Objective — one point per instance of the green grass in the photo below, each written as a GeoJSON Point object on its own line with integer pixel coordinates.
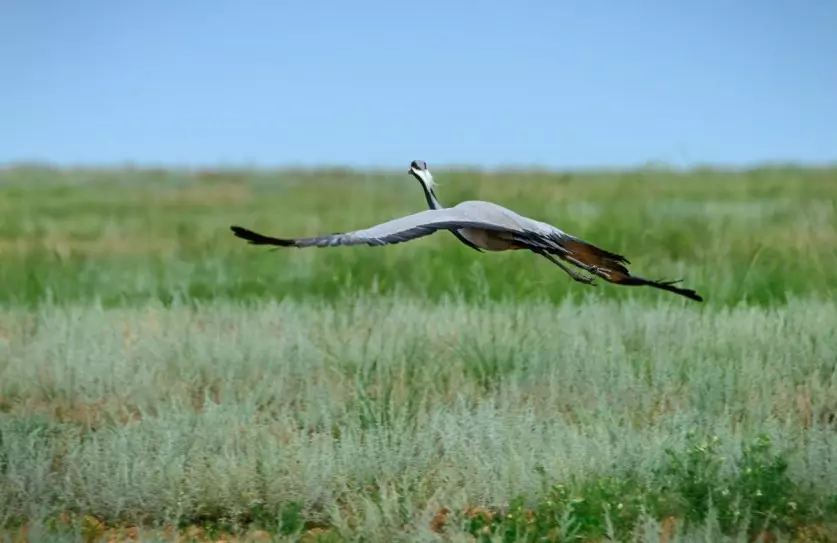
{"type": "Point", "coordinates": [156, 372]}
{"type": "Point", "coordinates": [125, 237]}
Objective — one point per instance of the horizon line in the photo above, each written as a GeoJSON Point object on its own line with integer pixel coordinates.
{"type": "Point", "coordinates": [253, 166]}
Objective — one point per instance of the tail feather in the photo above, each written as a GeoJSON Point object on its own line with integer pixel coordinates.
{"type": "Point", "coordinates": [591, 255]}
{"type": "Point", "coordinates": [613, 266]}
{"type": "Point", "coordinates": [254, 238]}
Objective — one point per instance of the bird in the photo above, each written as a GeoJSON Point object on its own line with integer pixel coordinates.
{"type": "Point", "coordinates": [483, 226]}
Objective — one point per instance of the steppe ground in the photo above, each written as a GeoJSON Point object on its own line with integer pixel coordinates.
{"type": "Point", "coordinates": [160, 379]}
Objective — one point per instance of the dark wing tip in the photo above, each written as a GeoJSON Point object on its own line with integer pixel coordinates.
{"type": "Point", "coordinates": [254, 238]}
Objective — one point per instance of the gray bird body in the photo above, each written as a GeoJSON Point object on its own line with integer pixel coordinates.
{"type": "Point", "coordinates": [484, 226]}
{"type": "Point", "coordinates": [492, 240]}
{"type": "Point", "coordinates": [489, 226]}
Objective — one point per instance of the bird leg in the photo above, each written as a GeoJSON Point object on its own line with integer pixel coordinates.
{"type": "Point", "coordinates": [595, 270]}
{"type": "Point", "coordinates": [565, 254]}
{"type": "Point", "coordinates": [576, 276]}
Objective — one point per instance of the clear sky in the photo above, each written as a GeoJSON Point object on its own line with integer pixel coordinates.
{"type": "Point", "coordinates": [379, 83]}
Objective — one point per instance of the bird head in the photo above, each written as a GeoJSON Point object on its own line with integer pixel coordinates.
{"type": "Point", "coordinates": [418, 169]}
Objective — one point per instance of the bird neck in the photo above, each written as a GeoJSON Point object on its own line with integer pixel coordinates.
{"type": "Point", "coordinates": [430, 196]}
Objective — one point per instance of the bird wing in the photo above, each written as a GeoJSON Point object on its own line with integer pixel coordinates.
{"type": "Point", "coordinates": [397, 230]}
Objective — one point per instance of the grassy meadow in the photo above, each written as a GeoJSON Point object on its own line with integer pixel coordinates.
{"type": "Point", "coordinates": [161, 379]}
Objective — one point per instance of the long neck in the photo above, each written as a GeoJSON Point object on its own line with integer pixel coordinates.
{"type": "Point", "coordinates": [433, 203]}
{"type": "Point", "coordinates": [430, 196]}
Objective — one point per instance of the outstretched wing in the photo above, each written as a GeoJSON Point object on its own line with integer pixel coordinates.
{"type": "Point", "coordinates": [398, 230]}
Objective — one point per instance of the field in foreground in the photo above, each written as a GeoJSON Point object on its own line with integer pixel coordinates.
{"type": "Point", "coordinates": [371, 416]}
{"type": "Point", "coordinates": [158, 375]}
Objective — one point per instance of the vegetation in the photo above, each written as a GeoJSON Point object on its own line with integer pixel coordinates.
{"type": "Point", "coordinates": [158, 375]}
{"type": "Point", "coordinates": [124, 237]}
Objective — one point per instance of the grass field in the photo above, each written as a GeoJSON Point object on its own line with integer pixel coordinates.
{"type": "Point", "coordinates": [160, 377]}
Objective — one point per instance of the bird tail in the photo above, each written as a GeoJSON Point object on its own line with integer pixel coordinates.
{"type": "Point", "coordinates": [613, 266]}
{"type": "Point", "coordinates": [590, 255]}
{"type": "Point", "coordinates": [254, 238]}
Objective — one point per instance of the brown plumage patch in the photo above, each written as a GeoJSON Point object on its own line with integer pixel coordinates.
{"type": "Point", "coordinates": [591, 255]}
{"type": "Point", "coordinates": [617, 276]}
{"type": "Point", "coordinates": [612, 270]}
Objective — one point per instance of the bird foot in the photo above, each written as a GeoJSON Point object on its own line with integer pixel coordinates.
{"type": "Point", "coordinates": [584, 279]}
{"type": "Point", "coordinates": [595, 270]}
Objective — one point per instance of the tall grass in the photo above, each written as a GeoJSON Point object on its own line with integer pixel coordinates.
{"type": "Point", "coordinates": [157, 373]}
{"type": "Point", "coordinates": [372, 414]}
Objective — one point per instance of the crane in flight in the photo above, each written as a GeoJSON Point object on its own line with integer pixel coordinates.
{"type": "Point", "coordinates": [483, 226]}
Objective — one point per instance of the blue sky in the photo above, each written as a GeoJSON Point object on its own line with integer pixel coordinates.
{"type": "Point", "coordinates": [377, 83]}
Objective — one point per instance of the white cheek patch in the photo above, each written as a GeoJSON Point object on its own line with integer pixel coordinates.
{"type": "Point", "coordinates": [428, 179]}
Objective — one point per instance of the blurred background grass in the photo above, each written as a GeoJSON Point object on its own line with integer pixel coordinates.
{"type": "Point", "coordinates": [124, 236]}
